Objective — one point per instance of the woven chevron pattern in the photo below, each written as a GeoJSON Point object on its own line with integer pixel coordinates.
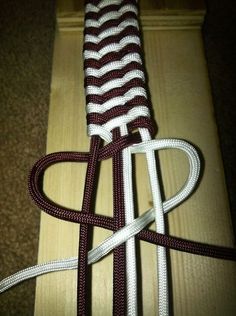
{"type": "Point", "coordinates": [116, 103]}
{"type": "Point", "coordinates": [114, 76]}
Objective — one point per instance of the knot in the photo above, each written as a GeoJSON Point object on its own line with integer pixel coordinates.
{"type": "Point", "coordinates": [135, 228]}
{"type": "Point", "coordinates": [105, 130]}
{"type": "Point", "coordinates": [140, 223]}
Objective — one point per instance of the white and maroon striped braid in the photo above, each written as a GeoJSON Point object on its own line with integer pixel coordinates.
{"type": "Point", "coordinates": [116, 99]}
{"type": "Point", "coordinates": [114, 75]}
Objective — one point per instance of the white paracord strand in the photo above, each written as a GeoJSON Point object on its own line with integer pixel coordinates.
{"type": "Point", "coordinates": [129, 230]}
{"type": "Point", "coordinates": [72, 263]}
{"type": "Point", "coordinates": [94, 255]}
{"type": "Point", "coordinates": [131, 267]}
{"type": "Point", "coordinates": [37, 270]}
{"type": "Point", "coordinates": [163, 295]}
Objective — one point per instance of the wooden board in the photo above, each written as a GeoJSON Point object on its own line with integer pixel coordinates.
{"type": "Point", "coordinates": [154, 15]}
{"type": "Point", "coordinates": [150, 19]}
{"type": "Point", "coordinates": [181, 98]}
{"type": "Point", "coordinates": [78, 5]}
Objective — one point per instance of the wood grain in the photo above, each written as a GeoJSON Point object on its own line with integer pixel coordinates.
{"type": "Point", "coordinates": [150, 20]}
{"type": "Point", "coordinates": [154, 15]}
{"type": "Point", "coordinates": [181, 98]}
{"type": "Point", "coordinates": [78, 5]}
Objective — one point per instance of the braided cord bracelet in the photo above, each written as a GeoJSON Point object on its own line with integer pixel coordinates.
{"type": "Point", "coordinates": [119, 42]}
{"type": "Point", "coordinates": [118, 112]}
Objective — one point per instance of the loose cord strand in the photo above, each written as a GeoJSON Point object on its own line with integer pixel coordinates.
{"type": "Point", "coordinates": [134, 228]}
{"type": "Point", "coordinates": [83, 272]}
{"type": "Point", "coordinates": [115, 83]}
{"type": "Point", "coordinates": [119, 259]}
{"type": "Point", "coordinates": [162, 276]}
{"type": "Point", "coordinates": [76, 216]}
{"type": "Point", "coordinates": [131, 269]}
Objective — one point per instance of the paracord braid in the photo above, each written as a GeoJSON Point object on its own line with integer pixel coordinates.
{"type": "Point", "coordinates": [114, 76]}
{"type": "Point", "coordinates": [115, 96]}
{"type": "Point", "coordinates": [116, 105]}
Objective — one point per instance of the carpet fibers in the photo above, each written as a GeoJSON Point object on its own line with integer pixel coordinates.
{"type": "Point", "coordinates": [26, 46]}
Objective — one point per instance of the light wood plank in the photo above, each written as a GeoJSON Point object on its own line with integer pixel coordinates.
{"type": "Point", "coordinates": [158, 15]}
{"type": "Point", "coordinates": [150, 20]}
{"type": "Point", "coordinates": [182, 105]}
{"type": "Point", "coordinates": [78, 5]}
{"type": "Point", "coordinates": [64, 184]}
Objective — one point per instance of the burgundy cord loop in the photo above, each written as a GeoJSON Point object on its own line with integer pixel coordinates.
{"type": "Point", "coordinates": [60, 212]}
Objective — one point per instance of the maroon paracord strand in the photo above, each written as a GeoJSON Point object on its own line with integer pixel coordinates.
{"type": "Point", "coordinates": [119, 261]}
{"type": "Point", "coordinates": [119, 265]}
{"type": "Point", "coordinates": [83, 275]}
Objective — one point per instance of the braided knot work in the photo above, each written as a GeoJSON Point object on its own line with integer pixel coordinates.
{"type": "Point", "coordinates": [117, 104]}
{"type": "Point", "coordinates": [114, 75]}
